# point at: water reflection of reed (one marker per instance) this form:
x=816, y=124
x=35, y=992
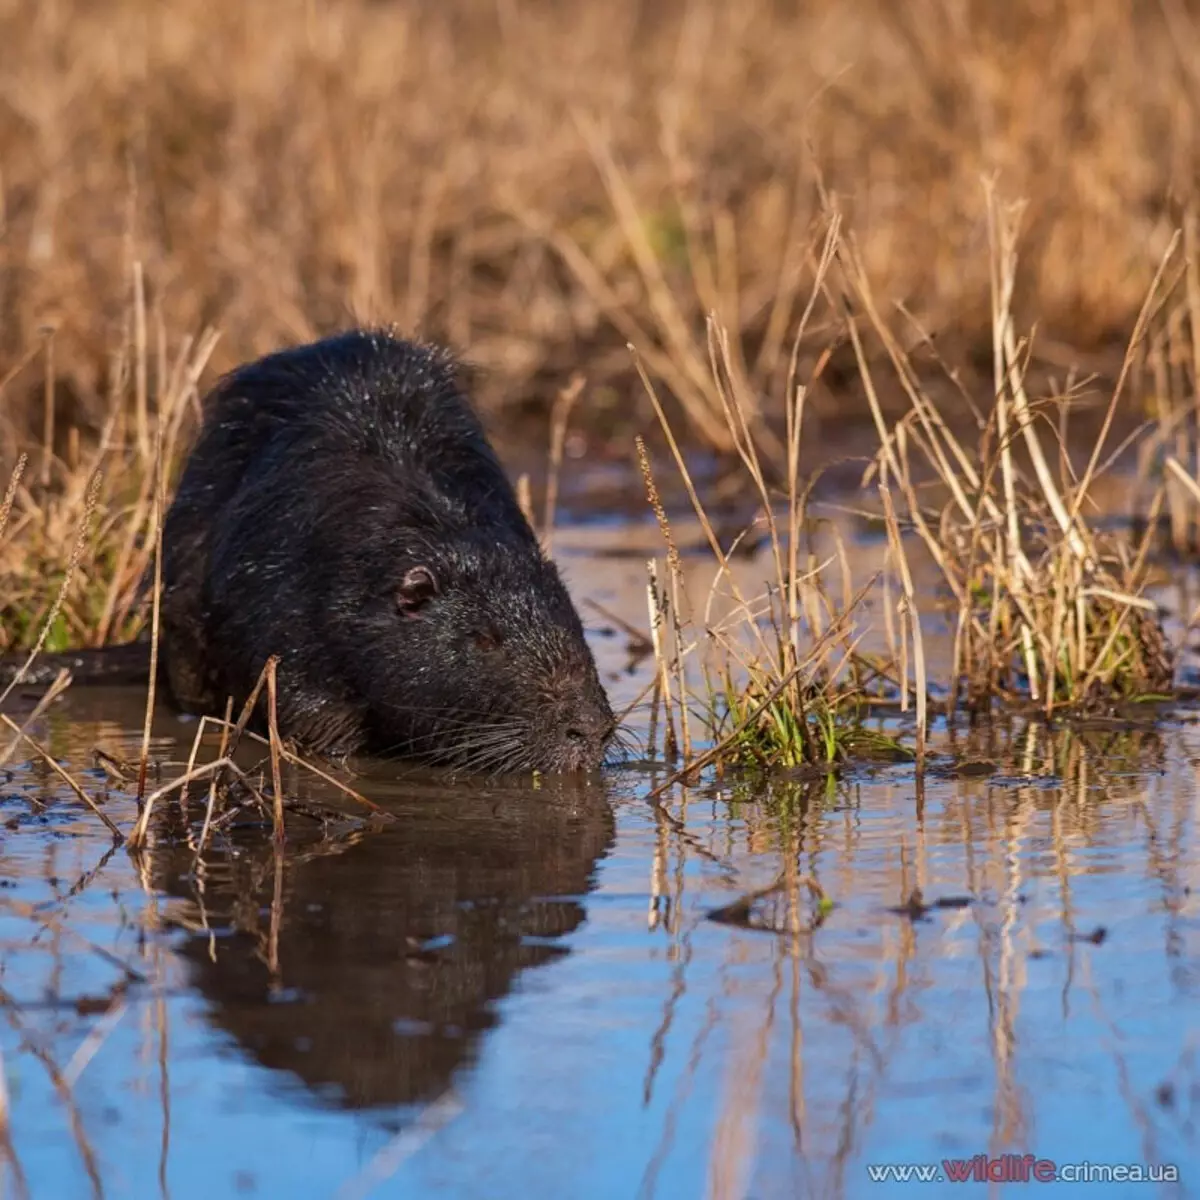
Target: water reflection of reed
x=367, y=968
x=1024, y=806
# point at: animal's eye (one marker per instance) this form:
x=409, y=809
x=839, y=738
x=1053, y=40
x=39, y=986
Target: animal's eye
x=416, y=590
x=489, y=638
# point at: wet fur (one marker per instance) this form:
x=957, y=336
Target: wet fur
x=323, y=478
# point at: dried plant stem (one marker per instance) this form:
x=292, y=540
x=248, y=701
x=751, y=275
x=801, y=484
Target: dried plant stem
x=159, y=514
x=273, y=733
x=662, y=671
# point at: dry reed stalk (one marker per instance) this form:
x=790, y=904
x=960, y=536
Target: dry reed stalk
x=662, y=670
x=674, y=607
x=273, y=734
x=190, y=765
x=160, y=505
x=1009, y=374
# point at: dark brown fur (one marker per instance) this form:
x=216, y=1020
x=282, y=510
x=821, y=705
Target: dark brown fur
x=343, y=509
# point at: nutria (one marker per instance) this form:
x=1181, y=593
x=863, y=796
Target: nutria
x=343, y=509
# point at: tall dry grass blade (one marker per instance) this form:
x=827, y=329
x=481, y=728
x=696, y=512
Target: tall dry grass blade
x=662, y=669
x=673, y=607
x=697, y=505
x=273, y=734
x=160, y=505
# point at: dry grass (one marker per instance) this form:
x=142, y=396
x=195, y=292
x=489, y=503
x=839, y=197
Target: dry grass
x=1045, y=607
x=539, y=183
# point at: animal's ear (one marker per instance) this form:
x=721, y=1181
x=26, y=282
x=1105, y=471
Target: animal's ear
x=416, y=590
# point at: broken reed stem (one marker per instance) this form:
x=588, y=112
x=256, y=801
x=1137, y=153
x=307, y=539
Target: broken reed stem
x=138, y=838
x=48, y=759
x=160, y=488
x=273, y=734
x=93, y=495
x=211, y=770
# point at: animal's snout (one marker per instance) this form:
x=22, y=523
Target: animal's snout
x=585, y=736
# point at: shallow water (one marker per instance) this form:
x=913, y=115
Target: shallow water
x=551, y=991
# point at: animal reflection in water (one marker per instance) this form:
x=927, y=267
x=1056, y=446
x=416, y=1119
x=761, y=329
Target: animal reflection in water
x=388, y=953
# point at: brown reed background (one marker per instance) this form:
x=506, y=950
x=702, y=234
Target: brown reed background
x=540, y=182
